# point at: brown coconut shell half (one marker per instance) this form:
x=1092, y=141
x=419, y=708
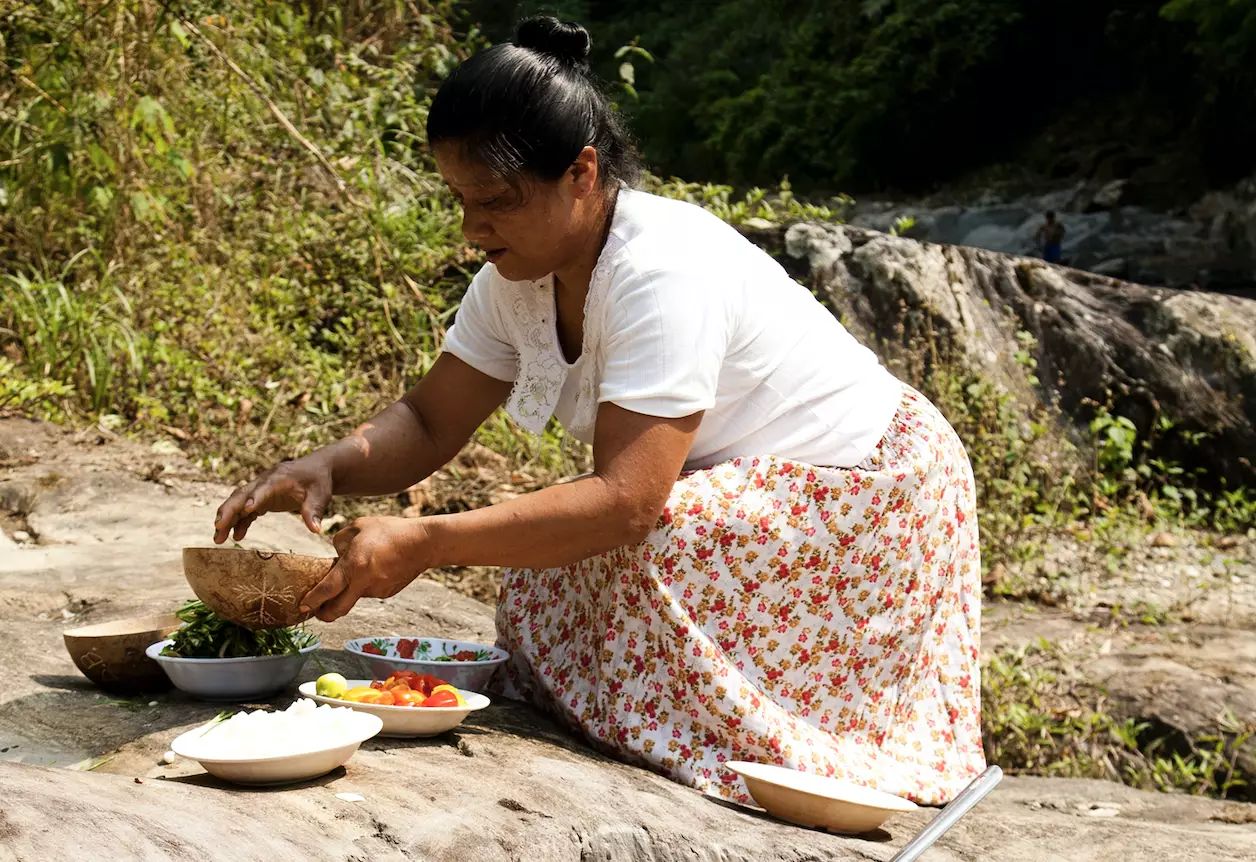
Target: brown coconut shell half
x=251, y=588
x=112, y=654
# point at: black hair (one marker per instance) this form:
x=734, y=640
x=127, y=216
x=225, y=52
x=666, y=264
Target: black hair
x=1050, y=215
x=528, y=107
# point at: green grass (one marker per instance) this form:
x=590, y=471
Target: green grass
x=1036, y=485
x=177, y=261
x=176, y=258
x=1038, y=719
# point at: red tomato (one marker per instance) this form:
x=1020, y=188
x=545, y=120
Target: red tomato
x=427, y=682
x=442, y=698
x=441, y=689
x=409, y=677
x=408, y=698
x=377, y=685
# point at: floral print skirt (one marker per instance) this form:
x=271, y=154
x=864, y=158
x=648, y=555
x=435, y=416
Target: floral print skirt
x=822, y=619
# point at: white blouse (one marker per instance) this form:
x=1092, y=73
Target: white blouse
x=684, y=314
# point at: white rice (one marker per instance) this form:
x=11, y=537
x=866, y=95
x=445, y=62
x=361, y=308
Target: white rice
x=302, y=727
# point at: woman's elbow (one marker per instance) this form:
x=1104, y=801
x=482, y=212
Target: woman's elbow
x=638, y=528
x=636, y=519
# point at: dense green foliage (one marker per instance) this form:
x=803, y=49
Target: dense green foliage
x=177, y=257
x=863, y=94
x=228, y=226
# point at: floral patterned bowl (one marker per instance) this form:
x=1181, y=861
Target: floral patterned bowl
x=463, y=665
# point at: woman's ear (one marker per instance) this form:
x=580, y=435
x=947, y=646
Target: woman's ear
x=584, y=175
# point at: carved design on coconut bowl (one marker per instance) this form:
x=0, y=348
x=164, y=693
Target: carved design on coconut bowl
x=254, y=589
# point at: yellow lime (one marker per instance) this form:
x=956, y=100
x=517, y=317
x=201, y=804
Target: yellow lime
x=331, y=685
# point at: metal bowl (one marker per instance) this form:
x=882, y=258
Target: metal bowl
x=231, y=679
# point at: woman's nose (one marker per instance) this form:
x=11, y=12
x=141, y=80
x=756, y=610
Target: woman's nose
x=475, y=227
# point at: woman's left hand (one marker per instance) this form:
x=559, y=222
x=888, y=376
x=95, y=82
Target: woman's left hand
x=379, y=557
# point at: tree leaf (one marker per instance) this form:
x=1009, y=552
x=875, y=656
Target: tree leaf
x=181, y=164
x=100, y=158
x=141, y=205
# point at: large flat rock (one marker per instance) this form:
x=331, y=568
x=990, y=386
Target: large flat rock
x=81, y=777
x=500, y=790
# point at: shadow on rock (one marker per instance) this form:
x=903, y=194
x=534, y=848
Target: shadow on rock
x=204, y=779
x=876, y=836
x=77, y=722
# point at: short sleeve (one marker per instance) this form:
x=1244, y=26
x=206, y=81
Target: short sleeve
x=477, y=336
x=664, y=344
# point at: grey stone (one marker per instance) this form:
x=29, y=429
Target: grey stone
x=1110, y=195
x=1094, y=334
x=507, y=785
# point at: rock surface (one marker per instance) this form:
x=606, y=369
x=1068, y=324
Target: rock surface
x=1211, y=245
x=81, y=777
x=1185, y=355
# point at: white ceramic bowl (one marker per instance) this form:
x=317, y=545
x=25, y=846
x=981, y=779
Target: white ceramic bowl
x=434, y=656
x=231, y=679
x=406, y=721
x=818, y=802
x=285, y=769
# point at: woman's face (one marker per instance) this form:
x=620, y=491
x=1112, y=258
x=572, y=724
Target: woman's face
x=528, y=231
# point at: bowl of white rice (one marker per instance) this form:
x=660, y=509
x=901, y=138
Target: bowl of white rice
x=262, y=747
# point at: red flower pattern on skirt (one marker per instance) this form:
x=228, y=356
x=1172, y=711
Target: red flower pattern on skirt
x=817, y=618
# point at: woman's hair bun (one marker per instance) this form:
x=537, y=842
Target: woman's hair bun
x=563, y=40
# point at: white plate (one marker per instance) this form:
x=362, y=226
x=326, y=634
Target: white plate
x=818, y=802
x=284, y=769
x=406, y=721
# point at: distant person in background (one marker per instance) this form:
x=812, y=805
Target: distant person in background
x=1051, y=234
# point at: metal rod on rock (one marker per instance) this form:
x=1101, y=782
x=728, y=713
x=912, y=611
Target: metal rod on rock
x=950, y=814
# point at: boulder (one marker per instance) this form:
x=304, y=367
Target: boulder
x=1153, y=352
x=82, y=777
x=1109, y=196
x=509, y=789
x=1211, y=245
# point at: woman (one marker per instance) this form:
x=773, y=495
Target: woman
x=775, y=557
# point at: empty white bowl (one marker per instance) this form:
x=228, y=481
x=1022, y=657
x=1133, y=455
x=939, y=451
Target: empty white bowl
x=283, y=769
x=434, y=656
x=817, y=802
x=406, y=721
x=231, y=679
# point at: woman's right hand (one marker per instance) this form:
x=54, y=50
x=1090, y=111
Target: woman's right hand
x=304, y=486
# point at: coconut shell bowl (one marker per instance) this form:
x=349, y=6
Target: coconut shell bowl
x=254, y=589
x=111, y=654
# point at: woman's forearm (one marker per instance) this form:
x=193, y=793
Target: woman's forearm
x=418, y=435
x=553, y=527
x=391, y=452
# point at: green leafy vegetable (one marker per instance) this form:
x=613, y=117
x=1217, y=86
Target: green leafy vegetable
x=206, y=635
x=217, y=720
